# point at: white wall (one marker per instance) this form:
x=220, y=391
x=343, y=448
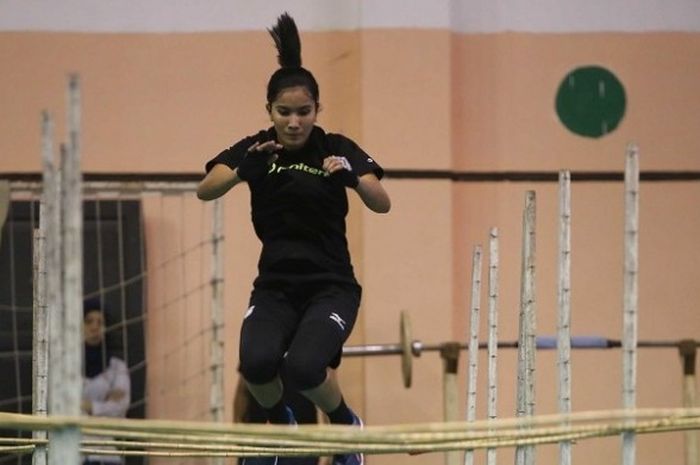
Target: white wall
x=470, y=16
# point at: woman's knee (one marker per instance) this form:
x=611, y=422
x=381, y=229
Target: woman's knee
x=315, y=346
x=260, y=366
x=303, y=372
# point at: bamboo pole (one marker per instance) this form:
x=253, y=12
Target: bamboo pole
x=630, y=300
x=527, y=331
x=493, y=335
x=64, y=448
x=564, y=304
x=40, y=345
x=54, y=295
x=45, y=283
x=171, y=436
x=473, y=343
x=485, y=428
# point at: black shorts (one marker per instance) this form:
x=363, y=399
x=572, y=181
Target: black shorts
x=292, y=319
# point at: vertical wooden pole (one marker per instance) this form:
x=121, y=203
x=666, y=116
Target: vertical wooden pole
x=564, y=304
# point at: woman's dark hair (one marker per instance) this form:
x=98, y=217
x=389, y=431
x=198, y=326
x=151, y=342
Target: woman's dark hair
x=92, y=304
x=291, y=73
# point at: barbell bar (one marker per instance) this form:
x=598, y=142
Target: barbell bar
x=408, y=348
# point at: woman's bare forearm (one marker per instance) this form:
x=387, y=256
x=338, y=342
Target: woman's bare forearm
x=217, y=182
x=372, y=193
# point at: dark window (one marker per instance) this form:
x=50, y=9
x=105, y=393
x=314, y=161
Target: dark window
x=114, y=270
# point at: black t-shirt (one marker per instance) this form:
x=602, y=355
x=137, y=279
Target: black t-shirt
x=298, y=211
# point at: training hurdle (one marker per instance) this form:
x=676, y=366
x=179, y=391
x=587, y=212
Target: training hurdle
x=529, y=342
x=450, y=354
x=58, y=292
x=447, y=350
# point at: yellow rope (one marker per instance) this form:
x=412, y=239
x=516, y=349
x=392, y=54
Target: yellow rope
x=192, y=439
x=16, y=449
x=22, y=441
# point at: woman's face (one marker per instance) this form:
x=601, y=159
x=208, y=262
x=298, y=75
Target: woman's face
x=93, y=328
x=293, y=113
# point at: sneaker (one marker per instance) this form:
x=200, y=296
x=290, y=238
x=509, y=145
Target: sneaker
x=354, y=458
x=271, y=460
x=291, y=421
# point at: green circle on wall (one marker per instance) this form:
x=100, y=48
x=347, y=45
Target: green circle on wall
x=591, y=101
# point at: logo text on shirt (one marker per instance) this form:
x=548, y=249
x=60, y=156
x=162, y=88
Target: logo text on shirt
x=274, y=168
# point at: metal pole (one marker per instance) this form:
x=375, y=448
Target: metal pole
x=542, y=343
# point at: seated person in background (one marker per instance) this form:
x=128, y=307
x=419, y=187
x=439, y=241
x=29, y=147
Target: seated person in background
x=106, y=382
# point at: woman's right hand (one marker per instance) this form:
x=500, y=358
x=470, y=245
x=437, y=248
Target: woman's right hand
x=257, y=161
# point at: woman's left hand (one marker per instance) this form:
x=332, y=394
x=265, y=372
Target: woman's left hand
x=339, y=168
x=115, y=395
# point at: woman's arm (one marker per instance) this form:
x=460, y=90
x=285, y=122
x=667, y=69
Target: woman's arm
x=367, y=186
x=217, y=182
x=118, y=397
x=372, y=193
x=253, y=167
